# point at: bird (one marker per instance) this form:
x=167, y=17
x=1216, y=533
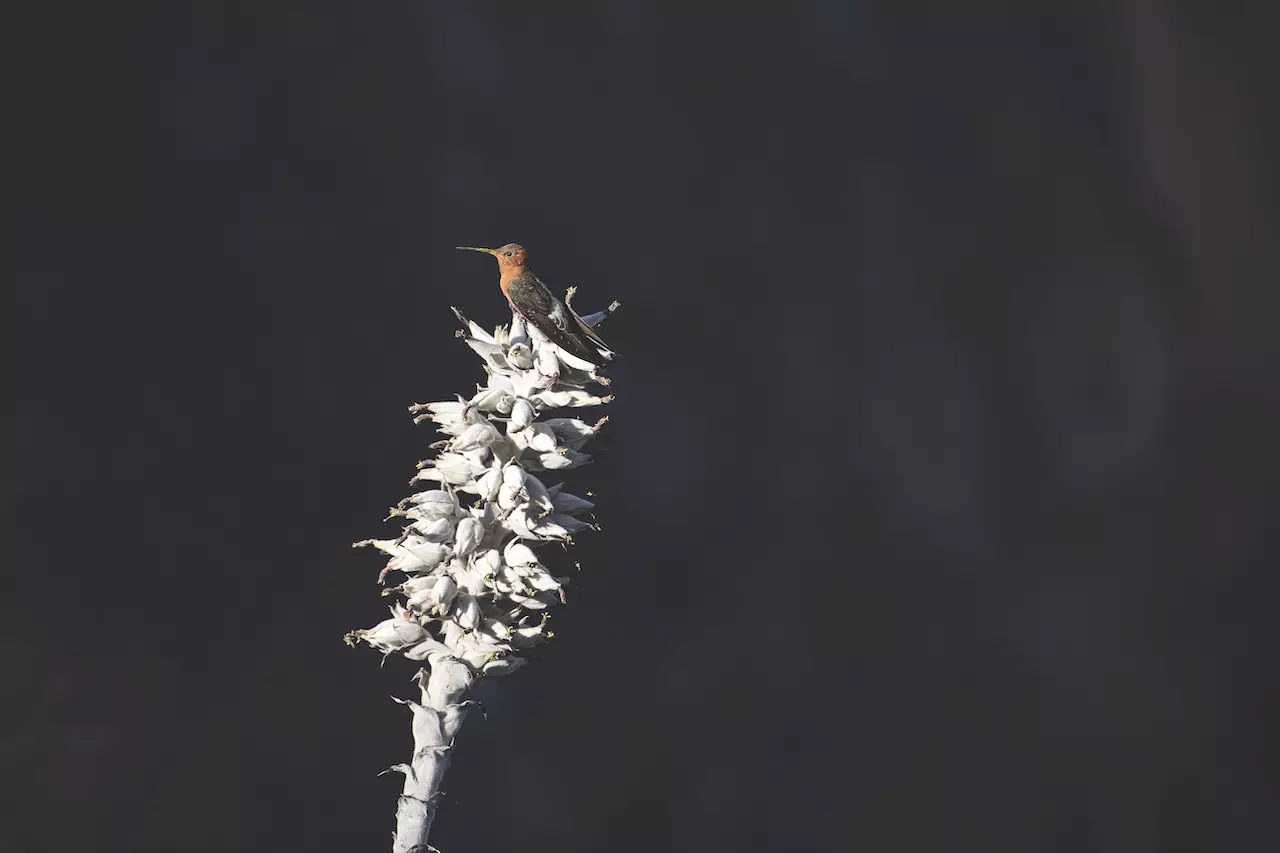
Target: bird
x=534, y=301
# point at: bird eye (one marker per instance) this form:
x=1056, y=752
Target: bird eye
x=508, y=254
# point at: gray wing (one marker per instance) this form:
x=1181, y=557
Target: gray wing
x=530, y=296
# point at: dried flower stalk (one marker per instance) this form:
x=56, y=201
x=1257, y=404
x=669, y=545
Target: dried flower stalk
x=475, y=593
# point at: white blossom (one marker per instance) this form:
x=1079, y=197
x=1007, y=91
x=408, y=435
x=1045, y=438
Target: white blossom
x=467, y=536
x=481, y=434
x=522, y=415
x=475, y=592
x=453, y=469
x=430, y=505
x=518, y=554
x=438, y=531
x=568, y=504
x=520, y=357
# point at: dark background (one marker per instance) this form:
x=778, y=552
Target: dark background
x=938, y=494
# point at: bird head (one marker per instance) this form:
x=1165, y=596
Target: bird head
x=510, y=257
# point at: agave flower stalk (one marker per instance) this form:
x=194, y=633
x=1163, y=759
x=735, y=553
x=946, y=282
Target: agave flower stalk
x=472, y=590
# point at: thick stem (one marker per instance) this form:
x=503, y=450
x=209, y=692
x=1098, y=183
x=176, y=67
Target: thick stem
x=416, y=808
x=436, y=720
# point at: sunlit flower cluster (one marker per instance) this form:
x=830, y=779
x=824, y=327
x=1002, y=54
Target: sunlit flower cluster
x=472, y=591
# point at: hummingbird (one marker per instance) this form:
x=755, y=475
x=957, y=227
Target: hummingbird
x=534, y=301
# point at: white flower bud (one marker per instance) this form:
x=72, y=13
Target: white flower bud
x=556, y=399
x=511, y=492
x=451, y=632
x=502, y=666
x=540, y=579
x=450, y=409
x=502, y=586
x=557, y=526
x=558, y=460
x=466, y=645
x=439, y=530
x=568, y=430
x=552, y=399
x=600, y=316
x=434, y=598
x=466, y=610
x=531, y=602
x=550, y=462
x=492, y=399
x=530, y=636
x=522, y=415
x=571, y=360
x=518, y=554
x=524, y=384
x=424, y=650
x=421, y=601
x=513, y=476
x=489, y=483
x=509, y=498
x=429, y=554
x=469, y=576
x=518, y=521
x=444, y=425
x=537, y=491
x=539, y=438
x=511, y=579
x=537, y=495
x=478, y=651
x=495, y=628
x=443, y=591
x=500, y=380
x=519, y=331
x=475, y=436
x=544, y=358
x=432, y=504
x=467, y=536
x=579, y=398
x=568, y=504
x=453, y=469
x=520, y=357
x=416, y=584
x=394, y=634
x=488, y=561
x=413, y=555
x=568, y=522
x=491, y=353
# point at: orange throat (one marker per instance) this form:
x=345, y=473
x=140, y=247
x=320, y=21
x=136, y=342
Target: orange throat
x=508, y=273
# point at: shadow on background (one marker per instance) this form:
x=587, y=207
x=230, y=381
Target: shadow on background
x=938, y=491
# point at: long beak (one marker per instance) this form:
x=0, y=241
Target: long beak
x=493, y=252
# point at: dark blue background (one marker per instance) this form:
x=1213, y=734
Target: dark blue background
x=937, y=499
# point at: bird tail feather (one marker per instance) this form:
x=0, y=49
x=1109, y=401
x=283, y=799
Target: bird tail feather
x=590, y=334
